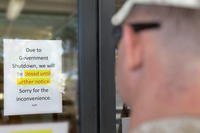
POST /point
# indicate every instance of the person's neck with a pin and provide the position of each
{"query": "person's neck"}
(152, 106)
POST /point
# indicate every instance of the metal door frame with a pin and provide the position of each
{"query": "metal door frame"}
(96, 67)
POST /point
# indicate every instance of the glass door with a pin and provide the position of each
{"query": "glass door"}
(43, 20)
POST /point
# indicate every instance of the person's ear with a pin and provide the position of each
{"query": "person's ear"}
(133, 49)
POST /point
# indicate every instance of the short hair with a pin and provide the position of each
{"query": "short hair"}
(180, 27)
(179, 39)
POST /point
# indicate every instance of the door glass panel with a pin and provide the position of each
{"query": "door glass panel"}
(44, 20)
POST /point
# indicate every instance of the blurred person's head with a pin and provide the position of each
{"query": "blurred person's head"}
(158, 68)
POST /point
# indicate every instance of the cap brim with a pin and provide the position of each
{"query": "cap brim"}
(125, 10)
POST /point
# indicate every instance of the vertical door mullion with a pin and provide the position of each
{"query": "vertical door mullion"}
(88, 69)
(106, 68)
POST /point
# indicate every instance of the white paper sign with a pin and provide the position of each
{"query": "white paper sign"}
(37, 128)
(31, 71)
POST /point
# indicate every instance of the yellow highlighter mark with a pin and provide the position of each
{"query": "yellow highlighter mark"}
(33, 81)
(34, 131)
(37, 73)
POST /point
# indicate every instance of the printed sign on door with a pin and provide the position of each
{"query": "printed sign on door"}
(31, 71)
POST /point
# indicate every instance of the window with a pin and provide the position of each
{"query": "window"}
(45, 20)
